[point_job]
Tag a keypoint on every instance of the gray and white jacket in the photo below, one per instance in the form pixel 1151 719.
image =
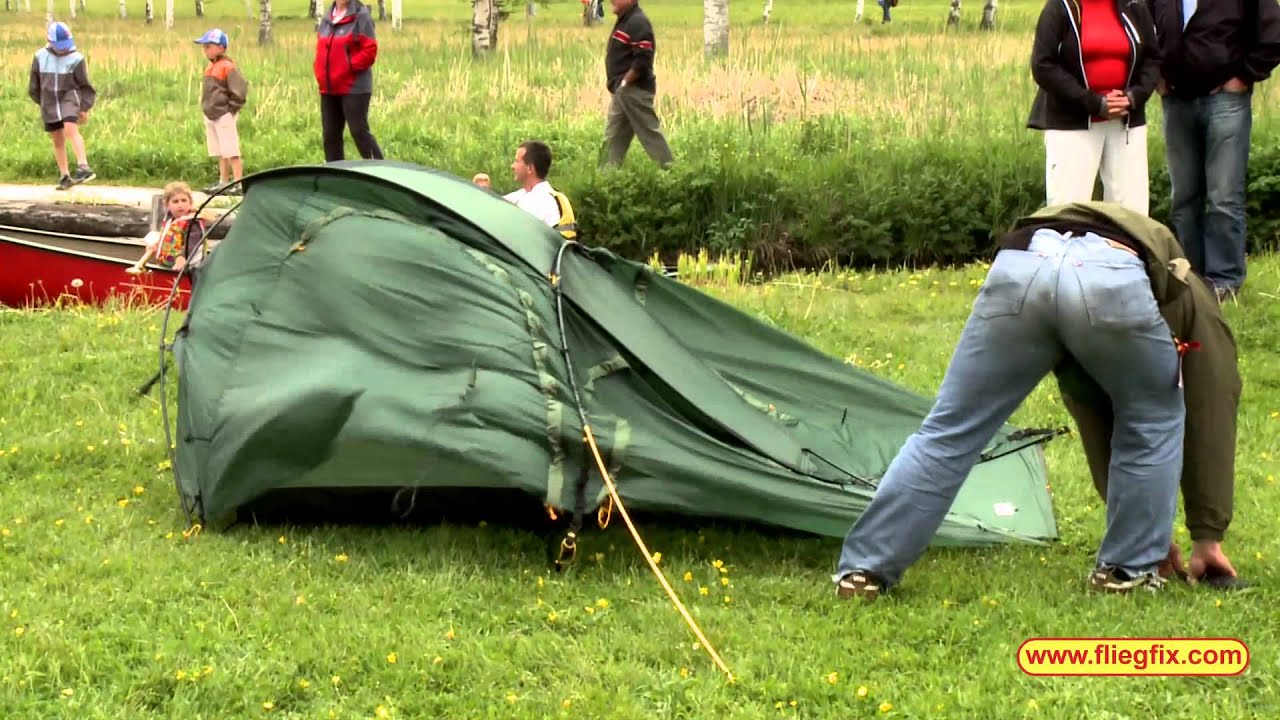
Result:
pixel 60 85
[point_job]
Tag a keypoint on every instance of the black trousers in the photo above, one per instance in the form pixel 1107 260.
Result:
pixel 353 112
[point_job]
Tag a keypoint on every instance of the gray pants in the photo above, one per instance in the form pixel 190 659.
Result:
pixel 1075 295
pixel 631 114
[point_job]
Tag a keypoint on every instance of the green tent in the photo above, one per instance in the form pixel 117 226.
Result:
pixel 378 325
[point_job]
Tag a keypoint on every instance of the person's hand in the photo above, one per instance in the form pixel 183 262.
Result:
pixel 1172 564
pixel 1207 556
pixel 480 179
pixel 1234 85
pixel 179 264
pixel 1117 104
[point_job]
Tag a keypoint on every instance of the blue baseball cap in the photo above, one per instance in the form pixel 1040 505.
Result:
pixel 213 37
pixel 60 37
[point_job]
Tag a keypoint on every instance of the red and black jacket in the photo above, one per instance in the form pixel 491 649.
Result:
pixel 345 51
pixel 1063 99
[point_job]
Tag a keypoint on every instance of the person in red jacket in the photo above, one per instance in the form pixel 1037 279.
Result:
pixel 346 48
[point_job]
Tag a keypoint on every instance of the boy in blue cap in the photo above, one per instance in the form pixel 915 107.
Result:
pixel 59 84
pixel 222 96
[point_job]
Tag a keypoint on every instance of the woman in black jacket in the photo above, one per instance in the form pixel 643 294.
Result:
pixel 1096 62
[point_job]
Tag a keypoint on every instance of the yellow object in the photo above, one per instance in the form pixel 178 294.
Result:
pixel 648 556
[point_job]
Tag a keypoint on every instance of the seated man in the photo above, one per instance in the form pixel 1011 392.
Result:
pixel 535 195
pixel 1209 371
pixel 1056 294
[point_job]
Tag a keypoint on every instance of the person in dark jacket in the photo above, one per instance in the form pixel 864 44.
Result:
pixel 59 84
pixel 630 80
pixel 1215 53
pixel 1096 63
pixel 1209 372
pixel 346 48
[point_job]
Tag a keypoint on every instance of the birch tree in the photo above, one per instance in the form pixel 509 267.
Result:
pixel 199 8
pixel 313 9
pixel 397 14
pixel 768 8
pixel 73 9
pixel 48 13
pixel 168 14
pixel 264 23
pixel 149 11
pixel 382 10
pixel 484 26
pixel 124 10
pixel 715 27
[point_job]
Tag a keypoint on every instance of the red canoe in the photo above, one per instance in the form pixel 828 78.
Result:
pixel 39 268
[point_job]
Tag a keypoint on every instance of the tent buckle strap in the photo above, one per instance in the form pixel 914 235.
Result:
pixel 568 550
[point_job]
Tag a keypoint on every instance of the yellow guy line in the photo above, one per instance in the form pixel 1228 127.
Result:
pixel 613 492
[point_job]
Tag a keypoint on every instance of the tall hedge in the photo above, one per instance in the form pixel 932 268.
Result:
pixel 915 203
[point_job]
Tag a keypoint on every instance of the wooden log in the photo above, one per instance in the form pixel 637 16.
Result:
pixel 100 220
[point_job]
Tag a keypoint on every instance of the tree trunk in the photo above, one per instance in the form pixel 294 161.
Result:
pixel 989 15
pixel 530 9
pixel 313 9
pixel 382 10
pixel 857 10
pixel 199 8
pixel 73 9
pixel 83 7
pixel 94 219
pixel 715 27
pixel 953 19
pixel 264 23
pixel 768 9
pixel 397 14
pixel 168 14
pixel 48 13
pixel 484 27
pixel 150 11
pixel 124 11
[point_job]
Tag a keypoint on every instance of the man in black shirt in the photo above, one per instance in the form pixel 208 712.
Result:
pixel 1214 53
pixel 628 63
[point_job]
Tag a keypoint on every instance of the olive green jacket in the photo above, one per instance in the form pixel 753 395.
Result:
pixel 1210 373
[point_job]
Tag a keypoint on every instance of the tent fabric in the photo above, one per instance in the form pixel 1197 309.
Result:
pixel 374 324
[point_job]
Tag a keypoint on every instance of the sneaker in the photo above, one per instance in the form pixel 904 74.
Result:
pixel 859 584
pixel 1115 580
pixel 65 183
pixel 82 175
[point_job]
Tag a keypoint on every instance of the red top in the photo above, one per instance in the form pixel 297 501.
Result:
pixel 1104 46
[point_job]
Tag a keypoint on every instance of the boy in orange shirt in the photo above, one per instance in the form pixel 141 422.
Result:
pixel 222 95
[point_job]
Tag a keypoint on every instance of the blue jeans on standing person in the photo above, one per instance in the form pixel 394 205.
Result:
pixel 1207 150
pixel 1063 295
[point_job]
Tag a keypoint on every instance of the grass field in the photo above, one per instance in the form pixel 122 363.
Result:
pixel 109 612
pixel 862 88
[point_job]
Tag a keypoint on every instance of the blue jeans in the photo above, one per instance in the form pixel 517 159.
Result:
pixel 1064 295
pixel 1207 150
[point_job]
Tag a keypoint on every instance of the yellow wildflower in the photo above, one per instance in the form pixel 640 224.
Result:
pixel 832 677
pixel 885 707
pixel 688 576
pixel 341 557
pixel 862 691
pixel 391 658
pixel 704 591
pixel 268 705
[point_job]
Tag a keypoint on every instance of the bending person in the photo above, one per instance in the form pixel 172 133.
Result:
pixel 1079 294
pixel 1210 375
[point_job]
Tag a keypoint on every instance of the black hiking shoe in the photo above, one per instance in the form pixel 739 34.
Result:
pixel 65 183
pixel 1115 580
pixel 859 583
pixel 83 175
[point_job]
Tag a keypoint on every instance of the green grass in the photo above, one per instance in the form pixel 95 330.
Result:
pixel 108 612
pixel 812 87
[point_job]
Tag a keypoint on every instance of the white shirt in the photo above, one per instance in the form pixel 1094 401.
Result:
pixel 538 202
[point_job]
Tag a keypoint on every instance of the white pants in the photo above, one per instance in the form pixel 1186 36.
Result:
pixel 1073 159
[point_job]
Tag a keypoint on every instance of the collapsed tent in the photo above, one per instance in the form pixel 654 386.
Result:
pixel 376 324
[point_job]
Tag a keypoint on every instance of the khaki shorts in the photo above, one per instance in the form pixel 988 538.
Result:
pixel 221 137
